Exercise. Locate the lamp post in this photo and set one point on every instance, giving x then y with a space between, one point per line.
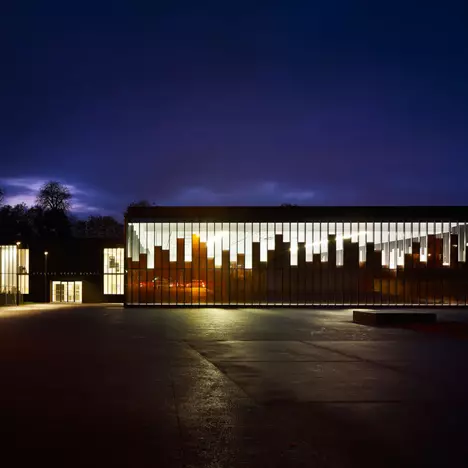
45 275
17 273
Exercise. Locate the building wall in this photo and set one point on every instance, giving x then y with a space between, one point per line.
92 289
74 260
295 262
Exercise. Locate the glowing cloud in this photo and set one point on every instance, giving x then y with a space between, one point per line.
24 190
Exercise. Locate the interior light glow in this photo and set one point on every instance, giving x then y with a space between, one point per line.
392 239
113 271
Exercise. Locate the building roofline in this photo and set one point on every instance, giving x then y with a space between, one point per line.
297 213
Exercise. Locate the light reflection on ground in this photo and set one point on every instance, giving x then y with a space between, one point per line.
28 310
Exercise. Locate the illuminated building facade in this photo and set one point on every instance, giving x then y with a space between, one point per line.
70 271
14 274
99 278
296 256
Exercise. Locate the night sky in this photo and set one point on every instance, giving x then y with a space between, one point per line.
255 103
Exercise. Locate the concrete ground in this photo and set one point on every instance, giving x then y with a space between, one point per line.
112 387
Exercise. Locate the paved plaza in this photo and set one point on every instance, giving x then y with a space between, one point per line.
106 386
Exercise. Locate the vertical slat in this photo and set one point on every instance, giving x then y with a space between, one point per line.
331 271
286 267
278 269
301 273
203 292
370 272
225 277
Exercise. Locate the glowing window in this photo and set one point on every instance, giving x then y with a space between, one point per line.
14 268
114 271
294 246
233 249
263 242
271 236
309 241
248 245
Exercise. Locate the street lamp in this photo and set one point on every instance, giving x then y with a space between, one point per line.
45 275
17 272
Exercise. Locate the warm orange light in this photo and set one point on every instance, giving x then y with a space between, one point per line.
46 253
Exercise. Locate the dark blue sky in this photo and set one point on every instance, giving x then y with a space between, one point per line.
337 102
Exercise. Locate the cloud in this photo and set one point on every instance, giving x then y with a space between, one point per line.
300 196
24 190
30 183
20 198
262 193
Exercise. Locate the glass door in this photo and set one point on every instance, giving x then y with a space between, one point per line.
58 291
70 292
67 291
77 291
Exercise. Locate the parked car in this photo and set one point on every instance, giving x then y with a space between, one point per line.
195 284
160 283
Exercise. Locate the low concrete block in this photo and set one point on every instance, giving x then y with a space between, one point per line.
382 318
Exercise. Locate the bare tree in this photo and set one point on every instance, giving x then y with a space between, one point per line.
54 196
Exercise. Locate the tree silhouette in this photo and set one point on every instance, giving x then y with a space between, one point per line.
14 223
54 196
141 203
104 227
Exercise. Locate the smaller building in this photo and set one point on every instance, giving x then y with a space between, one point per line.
76 271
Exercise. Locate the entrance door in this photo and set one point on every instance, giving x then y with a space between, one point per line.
67 291
77 292
58 291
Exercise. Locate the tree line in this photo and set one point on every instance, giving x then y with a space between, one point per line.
51 218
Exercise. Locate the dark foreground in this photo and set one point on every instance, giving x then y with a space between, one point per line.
108 387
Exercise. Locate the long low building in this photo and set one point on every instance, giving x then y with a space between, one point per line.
73 271
296 256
